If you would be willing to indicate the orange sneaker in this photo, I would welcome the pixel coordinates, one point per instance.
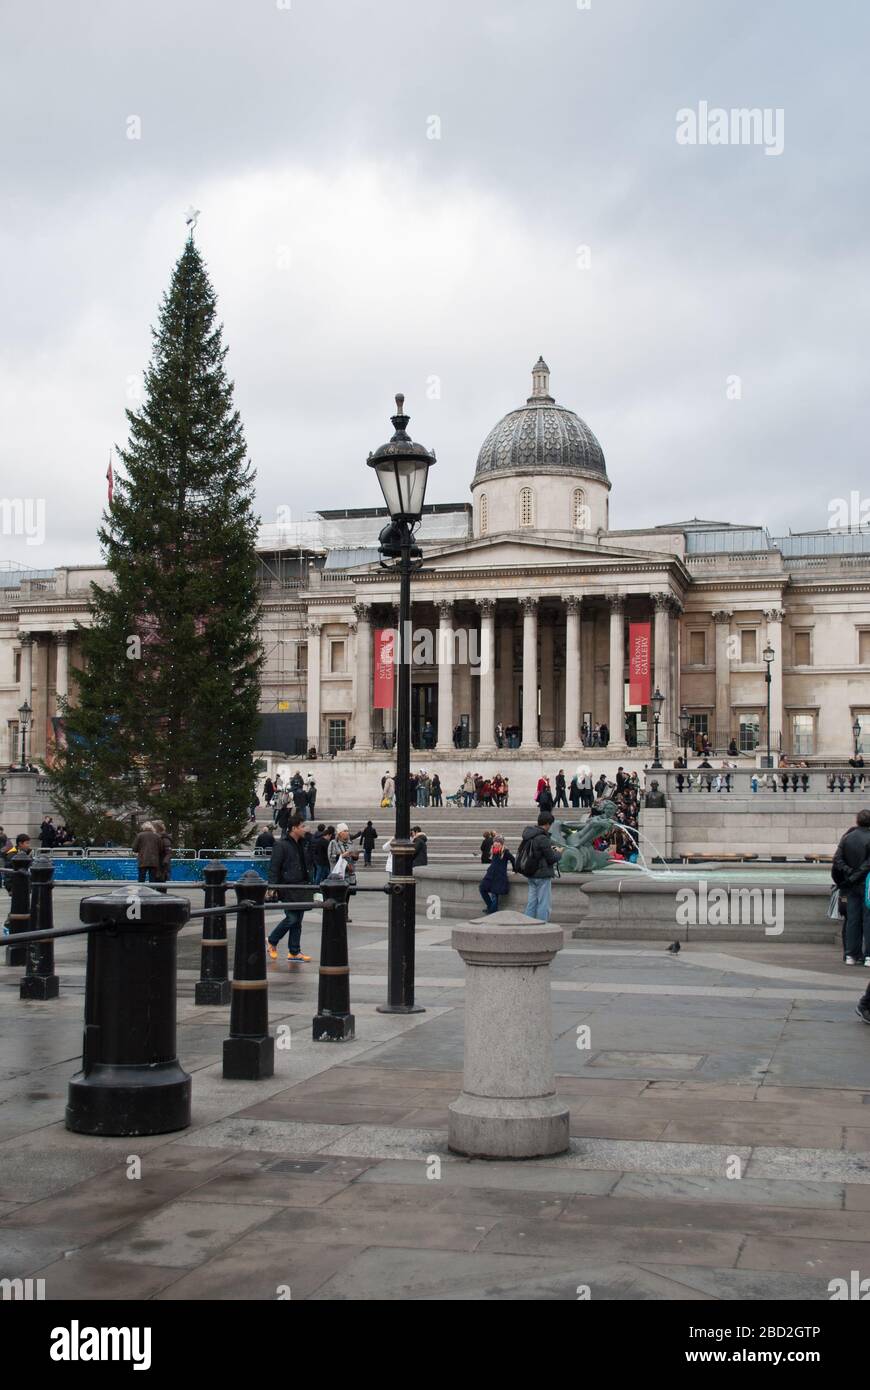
(299, 956)
(273, 951)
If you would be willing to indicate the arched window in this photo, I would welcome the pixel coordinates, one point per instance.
(579, 510)
(527, 507)
(484, 514)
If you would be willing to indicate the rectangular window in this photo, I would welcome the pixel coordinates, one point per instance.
(803, 654)
(336, 658)
(697, 649)
(864, 648)
(750, 725)
(802, 734)
(748, 644)
(337, 735)
(14, 750)
(698, 729)
(302, 658)
(17, 674)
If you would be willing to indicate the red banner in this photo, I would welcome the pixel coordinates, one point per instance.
(638, 663)
(385, 666)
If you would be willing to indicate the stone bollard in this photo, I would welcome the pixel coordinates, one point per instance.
(213, 986)
(508, 1107)
(249, 1051)
(18, 882)
(131, 1081)
(333, 1021)
(40, 981)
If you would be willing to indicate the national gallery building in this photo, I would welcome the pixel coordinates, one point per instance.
(541, 618)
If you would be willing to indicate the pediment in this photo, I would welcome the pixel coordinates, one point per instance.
(510, 550)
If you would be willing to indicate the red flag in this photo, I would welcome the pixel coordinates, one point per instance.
(110, 480)
(638, 667)
(384, 667)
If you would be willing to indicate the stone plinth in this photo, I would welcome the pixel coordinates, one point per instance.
(508, 1107)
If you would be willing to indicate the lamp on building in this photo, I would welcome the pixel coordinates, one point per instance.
(685, 723)
(24, 713)
(402, 468)
(856, 734)
(657, 700)
(768, 654)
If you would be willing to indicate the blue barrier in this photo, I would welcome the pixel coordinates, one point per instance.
(182, 871)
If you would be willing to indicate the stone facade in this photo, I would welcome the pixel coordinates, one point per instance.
(527, 599)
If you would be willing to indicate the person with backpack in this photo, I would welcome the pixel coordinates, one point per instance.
(544, 797)
(494, 884)
(537, 858)
(849, 870)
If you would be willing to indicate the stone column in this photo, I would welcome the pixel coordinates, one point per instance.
(530, 673)
(508, 1107)
(572, 672)
(486, 740)
(312, 723)
(676, 668)
(505, 710)
(444, 656)
(588, 673)
(662, 660)
(722, 619)
(616, 716)
(362, 724)
(61, 679)
(25, 687)
(773, 618)
(546, 622)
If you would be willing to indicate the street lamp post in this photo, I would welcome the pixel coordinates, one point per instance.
(856, 734)
(768, 655)
(24, 713)
(685, 721)
(402, 468)
(657, 701)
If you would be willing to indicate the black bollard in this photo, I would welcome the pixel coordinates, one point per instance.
(334, 1021)
(213, 986)
(249, 1051)
(40, 981)
(18, 882)
(131, 1081)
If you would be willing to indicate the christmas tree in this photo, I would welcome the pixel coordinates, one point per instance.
(164, 721)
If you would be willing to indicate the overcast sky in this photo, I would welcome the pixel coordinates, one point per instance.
(354, 256)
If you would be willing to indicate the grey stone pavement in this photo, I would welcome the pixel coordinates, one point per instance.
(333, 1181)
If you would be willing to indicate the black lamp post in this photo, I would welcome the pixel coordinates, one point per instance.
(657, 701)
(402, 468)
(685, 721)
(24, 713)
(768, 655)
(856, 734)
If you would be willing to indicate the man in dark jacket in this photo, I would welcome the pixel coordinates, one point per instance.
(849, 871)
(421, 852)
(367, 838)
(288, 866)
(47, 834)
(546, 855)
(265, 839)
(561, 798)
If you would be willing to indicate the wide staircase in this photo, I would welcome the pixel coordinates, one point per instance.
(454, 835)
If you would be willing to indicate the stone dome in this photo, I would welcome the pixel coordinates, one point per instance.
(541, 437)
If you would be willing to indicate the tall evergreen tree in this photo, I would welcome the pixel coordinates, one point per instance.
(165, 718)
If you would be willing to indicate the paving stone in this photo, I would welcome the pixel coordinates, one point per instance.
(181, 1234)
(83, 1276)
(605, 1243)
(514, 1177)
(437, 1229)
(820, 1165)
(262, 1266)
(762, 1191)
(821, 1259)
(440, 1196)
(268, 1187)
